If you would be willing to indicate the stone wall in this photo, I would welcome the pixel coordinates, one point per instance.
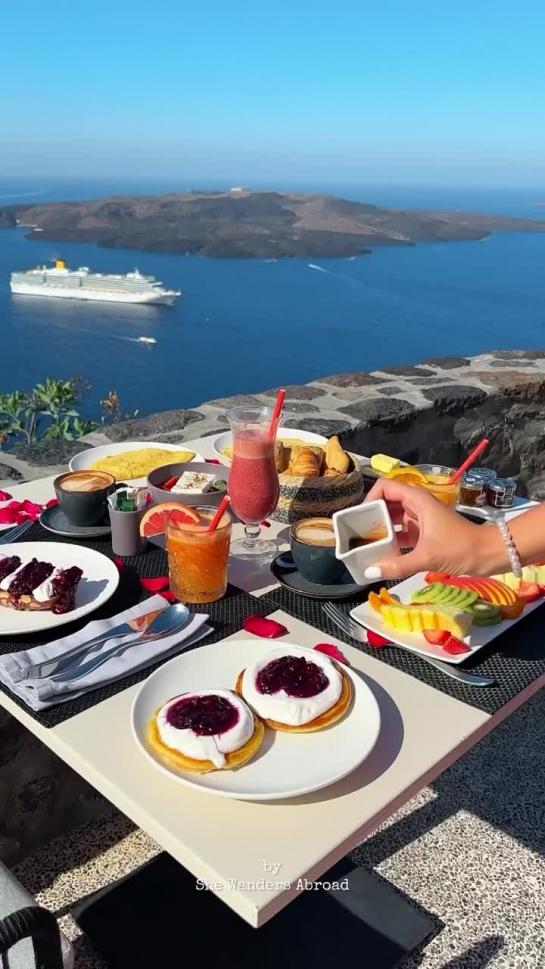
(435, 410)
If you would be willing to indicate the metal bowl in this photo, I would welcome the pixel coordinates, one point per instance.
(160, 475)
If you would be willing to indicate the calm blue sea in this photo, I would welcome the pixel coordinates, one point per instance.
(247, 325)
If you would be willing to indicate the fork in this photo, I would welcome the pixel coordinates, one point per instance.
(352, 629)
(14, 533)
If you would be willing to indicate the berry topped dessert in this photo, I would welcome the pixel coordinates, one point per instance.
(36, 586)
(291, 691)
(204, 731)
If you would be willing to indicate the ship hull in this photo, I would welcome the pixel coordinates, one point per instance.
(82, 294)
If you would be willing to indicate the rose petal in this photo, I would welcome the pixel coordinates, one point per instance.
(5, 496)
(267, 628)
(9, 516)
(155, 585)
(168, 595)
(332, 651)
(51, 503)
(119, 563)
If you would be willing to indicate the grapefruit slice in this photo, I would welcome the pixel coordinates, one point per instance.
(153, 522)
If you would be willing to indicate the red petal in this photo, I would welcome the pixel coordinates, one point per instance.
(5, 496)
(168, 595)
(155, 585)
(332, 651)
(118, 561)
(9, 516)
(51, 503)
(212, 461)
(267, 628)
(373, 639)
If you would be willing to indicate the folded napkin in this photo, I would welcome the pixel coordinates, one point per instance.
(39, 693)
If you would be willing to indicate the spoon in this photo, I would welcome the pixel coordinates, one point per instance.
(145, 626)
(167, 623)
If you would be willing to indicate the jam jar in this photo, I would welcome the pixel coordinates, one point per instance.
(473, 486)
(500, 493)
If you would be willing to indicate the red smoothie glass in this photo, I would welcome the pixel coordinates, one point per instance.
(253, 479)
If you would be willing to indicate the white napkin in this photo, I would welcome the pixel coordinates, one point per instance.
(39, 693)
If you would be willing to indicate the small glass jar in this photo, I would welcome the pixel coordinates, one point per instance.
(473, 486)
(500, 493)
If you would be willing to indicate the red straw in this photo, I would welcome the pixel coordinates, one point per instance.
(219, 513)
(471, 458)
(277, 411)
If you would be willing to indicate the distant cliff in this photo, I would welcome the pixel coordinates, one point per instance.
(247, 224)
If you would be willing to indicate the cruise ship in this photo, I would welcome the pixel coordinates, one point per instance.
(64, 283)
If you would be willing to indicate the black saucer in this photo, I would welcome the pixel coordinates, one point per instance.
(54, 520)
(283, 568)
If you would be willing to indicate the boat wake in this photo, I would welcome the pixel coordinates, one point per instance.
(312, 265)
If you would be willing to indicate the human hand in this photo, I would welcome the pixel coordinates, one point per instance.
(439, 538)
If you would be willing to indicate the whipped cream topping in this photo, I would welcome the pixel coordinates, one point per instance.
(44, 591)
(291, 710)
(212, 747)
(5, 583)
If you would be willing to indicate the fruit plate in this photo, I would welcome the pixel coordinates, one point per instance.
(225, 440)
(478, 637)
(84, 459)
(287, 765)
(98, 583)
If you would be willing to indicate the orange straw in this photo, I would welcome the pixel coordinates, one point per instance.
(219, 513)
(471, 458)
(276, 412)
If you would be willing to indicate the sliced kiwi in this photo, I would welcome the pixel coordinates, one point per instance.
(428, 594)
(485, 613)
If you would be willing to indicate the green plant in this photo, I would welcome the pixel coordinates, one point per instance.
(50, 411)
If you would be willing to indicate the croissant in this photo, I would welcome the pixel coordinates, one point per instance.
(304, 463)
(335, 458)
(281, 456)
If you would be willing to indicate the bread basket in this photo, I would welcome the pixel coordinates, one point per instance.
(308, 497)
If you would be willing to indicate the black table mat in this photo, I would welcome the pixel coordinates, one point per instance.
(515, 659)
(226, 616)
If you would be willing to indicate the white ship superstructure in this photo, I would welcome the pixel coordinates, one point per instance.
(64, 283)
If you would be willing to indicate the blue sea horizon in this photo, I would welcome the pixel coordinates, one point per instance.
(244, 326)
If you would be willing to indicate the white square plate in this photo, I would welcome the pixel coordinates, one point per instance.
(478, 637)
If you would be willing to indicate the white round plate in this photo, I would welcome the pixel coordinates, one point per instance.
(98, 583)
(287, 765)
(226, 440)
(84, 460)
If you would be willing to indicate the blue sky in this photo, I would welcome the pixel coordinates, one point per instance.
(388, 90)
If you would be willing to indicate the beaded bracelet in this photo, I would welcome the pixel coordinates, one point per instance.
(516, 567)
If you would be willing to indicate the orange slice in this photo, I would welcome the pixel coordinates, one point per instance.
(408, 475)
(153, 522)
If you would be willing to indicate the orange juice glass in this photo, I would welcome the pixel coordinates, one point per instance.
(197, 557)
(438, 483)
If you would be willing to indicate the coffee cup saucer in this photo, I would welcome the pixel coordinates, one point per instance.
(286, 572)
(54, 520)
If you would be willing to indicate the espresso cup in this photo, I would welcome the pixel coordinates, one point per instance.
(83, 495)
(313, 550)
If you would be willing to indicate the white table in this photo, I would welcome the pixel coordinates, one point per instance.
(217, 839)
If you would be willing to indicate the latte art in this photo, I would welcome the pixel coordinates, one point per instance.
(315, 531)
(85, 481)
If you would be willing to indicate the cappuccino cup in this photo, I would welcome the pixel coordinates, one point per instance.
(83, 495)
(313, 550)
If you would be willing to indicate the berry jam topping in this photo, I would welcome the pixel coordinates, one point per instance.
(64, 588)
(8, 565)
(30, 578)
(293, 674)
(204, 715)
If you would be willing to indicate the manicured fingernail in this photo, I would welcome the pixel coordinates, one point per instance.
(373, 572)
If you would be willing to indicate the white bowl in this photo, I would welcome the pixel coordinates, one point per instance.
(226, 440)
(84, 460)
(357, 522)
